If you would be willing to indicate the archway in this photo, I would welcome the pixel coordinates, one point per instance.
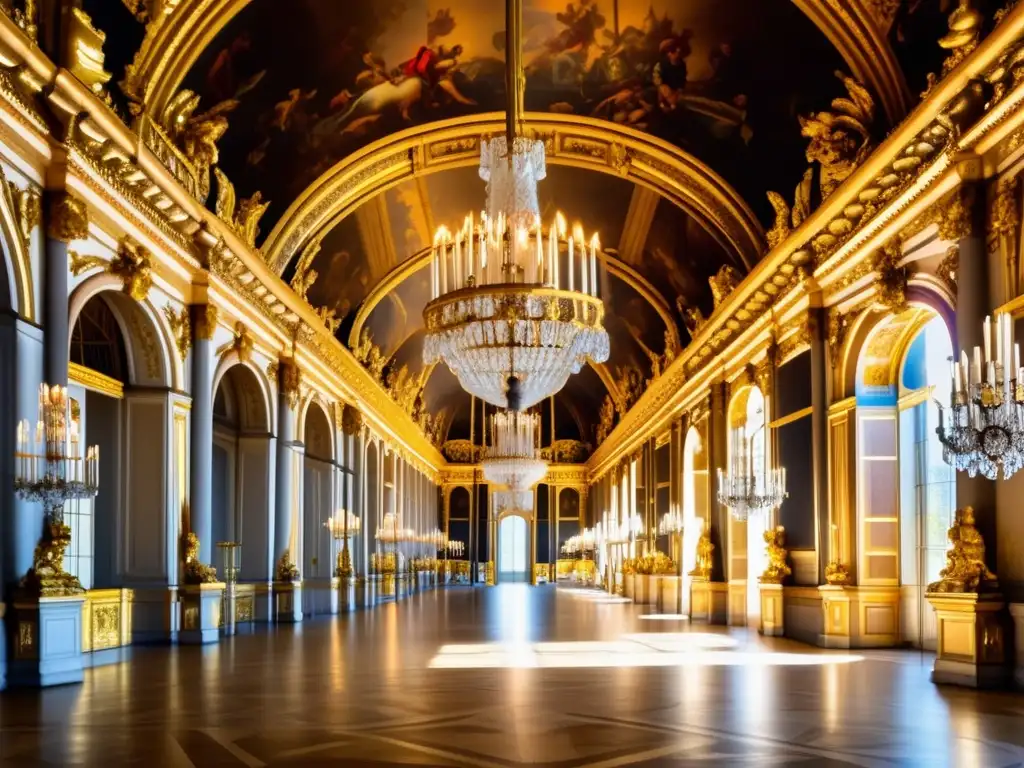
(317, 509)
(748, 448)
(695, 505)
(513, 549)
(459, 509)
(243, 470)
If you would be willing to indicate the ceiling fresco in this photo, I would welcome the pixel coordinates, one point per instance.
(322, 80)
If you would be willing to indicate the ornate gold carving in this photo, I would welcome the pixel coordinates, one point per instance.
(286, 571)
(840, 140)
(1005, 217)
(965, 25)
(83, 50)
(196, 136)
(406, 388)
(47, 577)
(351, 420)
(79, 264)
(606, 420)
(462, 451)
(566, 452)
(947, 268)
(305, 276)
(891, 282)
(227, 201)
(106, 626)
(620, 158)
(965, 570)
(133, 266)
(883, 12)
(369, 355)
(705, 564)
(724, 283)
(25, 15)
(780, 229)
(631, 384)
(777, 569)
(954, 216)
(328, 316)
(180, 322)
(94, 380)
(28, 208)
(693, 318)
(26, 640)
(290, 381)
(196, 572)
(68, 218)
(837, 574)
(242, 343)
(206, 318)
(247, 218)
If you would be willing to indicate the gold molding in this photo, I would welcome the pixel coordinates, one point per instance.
(795, 416)
(96, 381)
(915, 398)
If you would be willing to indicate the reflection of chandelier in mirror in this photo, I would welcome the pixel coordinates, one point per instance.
(504, 316)
(513, 459)
(513, 502)
(746, 491)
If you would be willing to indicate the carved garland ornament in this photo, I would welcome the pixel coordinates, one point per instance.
(68, 218)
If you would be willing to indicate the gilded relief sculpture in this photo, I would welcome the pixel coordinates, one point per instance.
(723, 283)
(777, 569)
(286, 571)
(705, 564)
(196, 572)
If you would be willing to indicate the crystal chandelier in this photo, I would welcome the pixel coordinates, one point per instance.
(744, 490)
(986, 432)
(513, 459)
(504, 317)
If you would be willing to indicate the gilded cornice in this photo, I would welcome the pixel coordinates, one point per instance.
(597, 145)
(560, 475)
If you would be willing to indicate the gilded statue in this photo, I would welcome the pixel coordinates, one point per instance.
(723, 283)
(196, 136)
(606, 421)
(286, 571)
(777, 570)
(840, 140)
(196, 572)
(247, 218)
(369, 354)
(47, 577)
(693, 318)
(780, 228)
(405, 387)
(242, 343)
(133, 266)
(305, 276)
(329, 317)
(965, 23)
(631, 384)
(965, 570)
(891, 280)
(705, 549)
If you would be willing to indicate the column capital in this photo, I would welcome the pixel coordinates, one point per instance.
(205, 319)
(289, 380)
(68, 218)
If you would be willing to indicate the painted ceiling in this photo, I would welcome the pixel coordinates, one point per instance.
(312, 81)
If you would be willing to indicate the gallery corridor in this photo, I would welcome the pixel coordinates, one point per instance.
(513, 675)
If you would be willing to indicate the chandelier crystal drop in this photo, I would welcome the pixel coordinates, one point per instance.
(985, 433)
(513, 461)
(746, 491)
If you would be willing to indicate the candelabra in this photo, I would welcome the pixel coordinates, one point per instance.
(746, 491)
(986, 429)
(50, 469)
(672, 526)
(343, 527)
(456, 548)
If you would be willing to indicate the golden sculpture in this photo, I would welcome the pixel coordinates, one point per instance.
(28, 207)
(328, 316)
(461, 451)
(965, 24)
(965, 570)
(780, 229)
(351, 420)
(891, 282)
(47, 577)
(25, 16)
(83, 50)
(289, 381)
(247, 218)
(79, 264)
(196, 136)
(227, 201)
(654, 564)
(840, 140)
(68, 218)
(777, 570)
(631, 384)
(286, 571)
(693, 318)
(607, 419)
(369, 354)
(837, 574)
(343, 568)
(705, 549)
(133, 266)
(724, 283)
(196, 572)
(405, 387)
(946, 271)
(566, 452)
(242, 343)
(180, 323)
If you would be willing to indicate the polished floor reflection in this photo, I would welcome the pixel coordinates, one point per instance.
(510, 676)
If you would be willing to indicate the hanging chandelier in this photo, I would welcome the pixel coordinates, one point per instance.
(745, 491)
(986, 432)
(504, 316)
(513, 459)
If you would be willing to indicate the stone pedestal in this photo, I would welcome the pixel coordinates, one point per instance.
(668, 594)
(772, 610)
(645, 589)
(201, 606)
(288, 602)
(385, 587)
(46, 641)
(1017, 614)
(708, 601)
(364, 592)
(343, 594)
(737, 603)
(401, 586)
(629, 585)
(972, 639)
(859, 617)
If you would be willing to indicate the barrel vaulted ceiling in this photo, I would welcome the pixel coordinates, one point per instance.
(310, 83)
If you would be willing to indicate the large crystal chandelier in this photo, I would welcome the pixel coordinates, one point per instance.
(746, 491)
(504, 316)
(512, 460)
(986, 432)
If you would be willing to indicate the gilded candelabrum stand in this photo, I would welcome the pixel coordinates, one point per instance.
(229, 557)
(202, 597)
(343, 528)
(48, 602)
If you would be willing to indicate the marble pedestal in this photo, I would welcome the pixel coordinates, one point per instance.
(708, 601)
(645, 589)
(972, 640)
(343, 594)
(772, 610)
(288, 602)
(668, 594)
(46, 641)
(201, 612)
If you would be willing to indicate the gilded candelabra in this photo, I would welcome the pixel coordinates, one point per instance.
(50, 469)
(343, 527)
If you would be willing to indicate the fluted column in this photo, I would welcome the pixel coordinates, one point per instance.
(284, 500)
(68, 221)
(204, 324)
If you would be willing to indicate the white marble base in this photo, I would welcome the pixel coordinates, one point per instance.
(365, 592)
(201, 606)
(344, 594)
(288, 602)
(47, 640)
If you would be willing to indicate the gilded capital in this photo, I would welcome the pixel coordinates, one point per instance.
(68, 218)
(205, 324)
(351, 420)
(289, 380)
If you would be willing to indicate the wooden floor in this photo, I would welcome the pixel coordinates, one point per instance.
(509, 676)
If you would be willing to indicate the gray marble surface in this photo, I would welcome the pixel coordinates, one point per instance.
(510, 676)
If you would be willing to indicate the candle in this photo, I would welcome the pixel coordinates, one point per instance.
(987, 333)
(595, 245)
(977, 365)
(990, 373)
(1016, 358)
(469, 244)
(571, 244)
